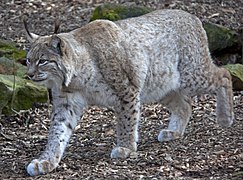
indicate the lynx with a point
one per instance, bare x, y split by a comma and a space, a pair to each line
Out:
159, 57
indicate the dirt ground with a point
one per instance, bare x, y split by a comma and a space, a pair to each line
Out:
205, 152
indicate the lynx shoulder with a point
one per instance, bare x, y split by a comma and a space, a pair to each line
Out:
160, 57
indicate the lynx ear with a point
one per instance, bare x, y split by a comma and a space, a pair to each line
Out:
58, 45
30, 36
55, 43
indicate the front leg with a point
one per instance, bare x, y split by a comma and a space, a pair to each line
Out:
127, 125
64, 120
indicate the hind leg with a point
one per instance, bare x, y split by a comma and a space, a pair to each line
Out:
180, 108
223, 89
213, 80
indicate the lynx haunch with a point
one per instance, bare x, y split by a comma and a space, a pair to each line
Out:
160, 57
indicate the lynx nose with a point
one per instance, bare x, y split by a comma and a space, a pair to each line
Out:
30, 74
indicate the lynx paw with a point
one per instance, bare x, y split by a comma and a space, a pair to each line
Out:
37, 167
120, 152
225, 122
167, 135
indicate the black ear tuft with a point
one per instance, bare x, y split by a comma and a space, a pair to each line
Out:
30, 36
55, 44
57, 26
24, 18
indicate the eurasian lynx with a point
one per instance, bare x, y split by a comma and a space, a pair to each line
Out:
159, 57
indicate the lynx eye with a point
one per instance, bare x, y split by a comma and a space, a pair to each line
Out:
42, 62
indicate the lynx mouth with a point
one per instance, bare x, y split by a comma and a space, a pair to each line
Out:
35, 79
38, 80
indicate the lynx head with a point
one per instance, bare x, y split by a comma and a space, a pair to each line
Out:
46, 60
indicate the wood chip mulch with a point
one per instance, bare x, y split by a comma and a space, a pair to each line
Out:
205, 152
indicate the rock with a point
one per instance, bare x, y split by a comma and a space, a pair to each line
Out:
9, 50
16, 93
5, 95
10, 67
220, 37
116, 12
223, 43
241, 46
236, 70
19, 94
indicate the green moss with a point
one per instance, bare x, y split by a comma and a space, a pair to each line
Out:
5, 95
25, 94
219, 37
116, 12
31, 94
10, 67
9, 50
236, 70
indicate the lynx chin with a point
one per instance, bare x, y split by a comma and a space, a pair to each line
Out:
160, 57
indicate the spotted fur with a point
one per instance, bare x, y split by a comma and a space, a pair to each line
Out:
159, 57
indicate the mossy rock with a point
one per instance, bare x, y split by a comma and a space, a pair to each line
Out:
236, 70
10, 67
24, 95
220, 37
16, 93
5, 95
9, 49
116, 12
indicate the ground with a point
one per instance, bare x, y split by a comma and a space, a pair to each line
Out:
205, 152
